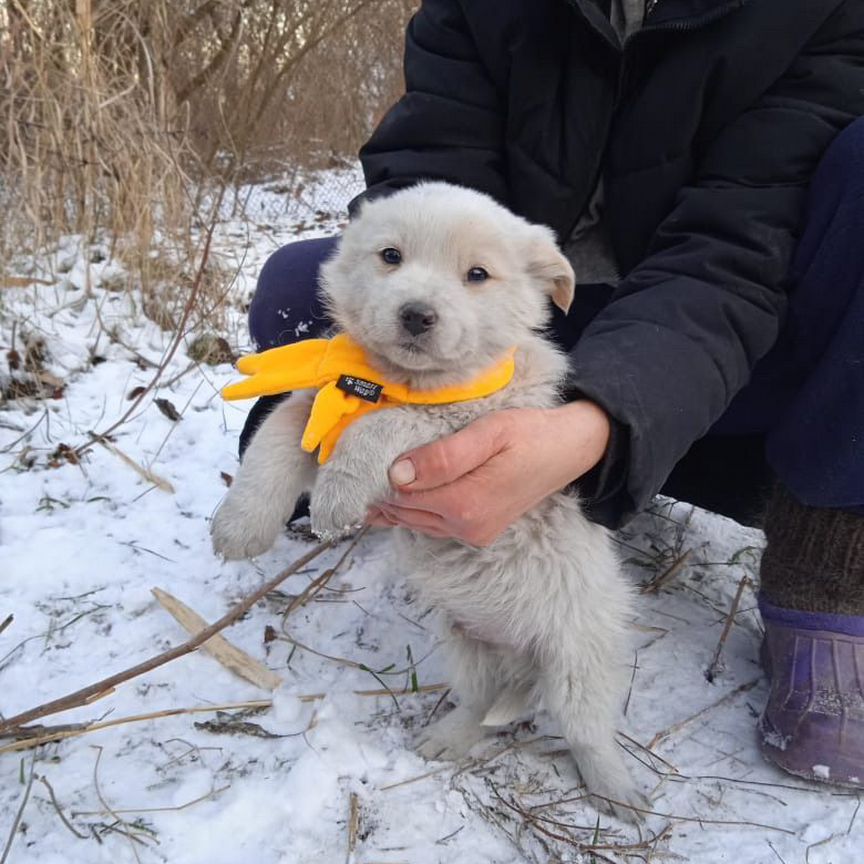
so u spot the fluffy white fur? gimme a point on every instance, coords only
(540, 616)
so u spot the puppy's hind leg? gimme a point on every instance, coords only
(474, 675)
(274, 472)
(579, 691)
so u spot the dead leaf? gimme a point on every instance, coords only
(63, 453)
(168, 409)
(227, 479)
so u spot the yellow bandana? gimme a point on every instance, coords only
(348, 387)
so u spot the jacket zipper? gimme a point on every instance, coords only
(688, 23)
(680, 26)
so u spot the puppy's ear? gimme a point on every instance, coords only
(548, 266)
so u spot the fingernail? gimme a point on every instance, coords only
(402, 472)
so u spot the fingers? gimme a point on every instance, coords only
(450, 458)
(417, 520)
(379, 519)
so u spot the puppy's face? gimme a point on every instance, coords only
(437, 282)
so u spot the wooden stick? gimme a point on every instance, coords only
(230, 656)
(101, 688)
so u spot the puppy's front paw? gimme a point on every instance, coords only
(451, 737)
(335, 509)
(243, 529)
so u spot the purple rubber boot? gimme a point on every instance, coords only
(813, 724)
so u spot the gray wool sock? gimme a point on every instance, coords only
(814, 560)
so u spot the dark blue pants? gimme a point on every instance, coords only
(801, 417)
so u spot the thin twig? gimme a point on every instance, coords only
(7, 621)
(44, 781)
(677, 817)
(130, 835)
(211, 794)
(771, 846)
(854, 815)
(140, 470)
(655, 584)
(178, 338)
(321, 581)
(17, 821)
(714, 667)
(632, 679)
(101, 688)
(677, 727)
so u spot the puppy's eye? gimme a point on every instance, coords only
(476, 274)
(391, 256)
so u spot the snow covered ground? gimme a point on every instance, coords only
(327, 773)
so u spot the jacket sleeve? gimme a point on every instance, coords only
(688, 324)
(449, 124)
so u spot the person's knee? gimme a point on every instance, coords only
(840, 173)
(285, 306)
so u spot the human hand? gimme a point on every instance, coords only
(475, 483)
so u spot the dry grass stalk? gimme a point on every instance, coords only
(50, 735)
(34, 736)
(655, 584)
(100, 688)
(120, 824)
(56, 804)
(353, 825)
(205, 797)
(230, 656)
(714, 667)
(140, 470)
(320, 582)
(677, 727)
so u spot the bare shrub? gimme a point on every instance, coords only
(87, 147)
(121, 117)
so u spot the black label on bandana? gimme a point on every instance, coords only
(360, 387)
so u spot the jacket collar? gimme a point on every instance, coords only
(661, 15)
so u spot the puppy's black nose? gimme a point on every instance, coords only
(417, 318)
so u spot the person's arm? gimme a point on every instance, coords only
(687, 325)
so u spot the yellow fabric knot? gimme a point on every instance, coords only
(348, 387)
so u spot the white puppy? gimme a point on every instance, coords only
(437, 283)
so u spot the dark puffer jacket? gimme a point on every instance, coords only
(707, 127)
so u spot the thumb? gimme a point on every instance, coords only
(447, 459)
